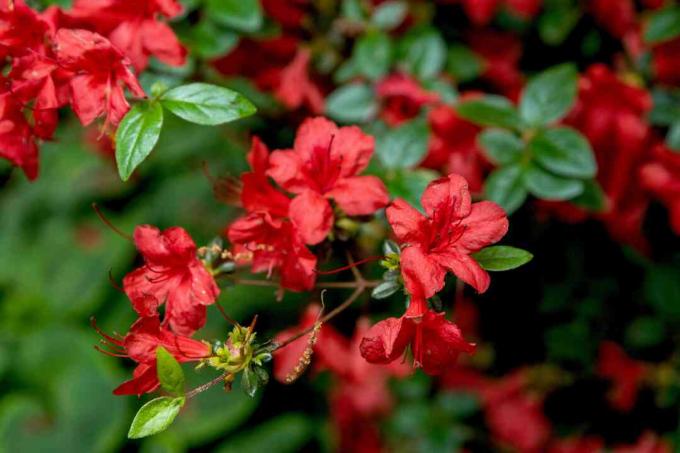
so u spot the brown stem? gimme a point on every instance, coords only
(336, 285)
(202, 388)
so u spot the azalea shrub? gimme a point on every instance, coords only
(340, 225)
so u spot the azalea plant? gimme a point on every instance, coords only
(367, 225)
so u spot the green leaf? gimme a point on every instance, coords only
(549, 96)
(353, 103)
(463, 64)
(391, 247)
(502, 258)
(169, 372)
(389, 15)
(261, 374)
(666, 110)
(555, 24)
(501, 146)
(249, 382)
(663, 25)
(242, 15)
(287, 433)
(564, 151)
(592, 198)
(206, 104)
(547, 186)
(385, 289)
(136, 136)
(423, 53)
(373, 55)
(208, 40)
(491, 111)
(155, 416)
(673, 137)
(505, 186)
(645, 332)
(404, 146)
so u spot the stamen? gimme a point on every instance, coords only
(108, 223)
(109, 353)
(93, 323)
(350, 266)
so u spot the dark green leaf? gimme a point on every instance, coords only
(491, 111)
(409, 184)
(169, 372)
(155, 416)
(663, 25)
(549, 96)
(390, 14)
(389, 246)
(385, 289)
(501, 146)
(287, 433)
(505, 186)
(136, 136)
(206, 104)
(423, 53)
(262, 375)
(249, 382)
(208, 40)
(564, 151)
(645, 332)
(673, 137)
(555, 24)
(373, 55)
(242, 15)
(592, 198)
(353, 103)
(404, 146)
(463, 64)
(666, 109)
(502, 258)
(547, 186)
(662, 290)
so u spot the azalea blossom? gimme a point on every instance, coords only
(402, 98)
(171, 275)
(324, 165)
(443, 239)
(661, 177)
(625, 374)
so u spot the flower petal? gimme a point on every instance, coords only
(144, 380)
(465, 268)
(285, 167)
(360, 195)
(353, 148)
(439, 344)
(486, 224)
(314, 133)
(423, 276)
(447, 199)
(386, 340)
(312, 215)
(408, 224)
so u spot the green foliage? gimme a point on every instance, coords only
(502, 258)
(491, 110)
(422, 52)
(506, 187)
(558, 21)
(462, 63)
(501, 146)
(389, 14)
(663, 25)
(565, 152)
(206, 104)
(385, 289)
(404, 146)
(241, 15)
(283, 434)
(547, 186)
(136, 136)
(373, 55)
(549, 96)
(169, 372)
(155, 416)
(352, 103)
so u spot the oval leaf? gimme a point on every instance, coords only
(423, 52)
(136, 136)
(549, 96)
(565, 152)
(155, 416)
(546, 186)
(353, 103)
(502, 258)
(501, 146)
(206, 104)
(243, 15)
(373, 55)
(385, 289)
(404, 146)
(491, 111)
(505, 186)
(663, 25)
(169, 372)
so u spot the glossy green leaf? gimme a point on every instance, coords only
(547, 186)
(206, 104)
(503, 147)
(389, 246)
(249, 382)
(169, 372)
(155, 416)
(242, 15)
(673, 137)
(663, 25)
(491, 111)
(389, 14)
(373, 55)
(549, 96)
(136, 136)
(423, 53)
(385, 289)
(502, 258)
(565, 152)
(592, 198)
(463, 64)
(353, 103)
(505, 186)
(404, 146)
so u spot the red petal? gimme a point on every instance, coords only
(170, 247)
(258, 156)
(387, 340)
(486, 224)
(353, 148)
(440, 343)
(408, 224)
(144, 381)
(465, 268)
(447, 198)
(423, 276)
(160, 41)
(314, 133)
(360, 195)
(312, 215)
(285, 167)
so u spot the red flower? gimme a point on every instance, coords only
(22, 30)
(275, 244)
(324, 164)
(17, 139)
(626, 375)
(295, 87)
(171, 274)
(140, 345)
(647, 443)
(666, 62)
(134, 28)
(518, 421)
(662, 178)
(616, 16)
(289, 13)
(577, 445)
(481, 12)
(435, 342)
(402, 97)
(100, 72)
(500, 53)
(453, 229)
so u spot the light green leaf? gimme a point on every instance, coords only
(564, 151)
(423, 53)
(592, 198)
(409, 184)
(353, 103)
(491, 111)
(547, 186)
(549, 96)
(663, 25)
(673, 137)
(155, 416)
(242, 15)
(503, 147)
(463, 63)
(136, 136)
(505, 186)
(373, 55)
(249, 382)
(404, 146)
(385, 289)
(390, 14)
(206, 104)
(169, 372)
(502, 258)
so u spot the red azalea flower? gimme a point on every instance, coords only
(295, 87)
(616, 16)
(288, 13)
(666, 62)
(518, 421)
(134, 28)
(626, 375)
(324, 164)
(275, 245)
(662, 178)
(435, 342)
(171, 274)
(22, 30)
(17, 139)
(647, 443)
(453, 147)
(577, 445)
(100, 71)
(453, 229)
(500, 53)
(402, 97)
(140, 345)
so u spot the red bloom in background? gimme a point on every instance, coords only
(288, 13)
(616, 16)
(666, 62)
(500, 53)
(402, 98)
(443, 241)
(171, 274)
(481, 12)
(577, 445)
(133, 27)
(324, 164)
(140, 345)
(22, 30)
(647, 443)
(296, 88)
(435, 342)
(662, 178)
(453, 147)
(257, 193)
(17, 142)
(625, 373)
(100, 74)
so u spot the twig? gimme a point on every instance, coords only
(202, 388)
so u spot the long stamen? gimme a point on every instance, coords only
(350, 266)
(113, 283)
(108, 223)
(93, 323)
(109, 353)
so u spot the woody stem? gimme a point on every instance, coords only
(202, 388)
(330, 285)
